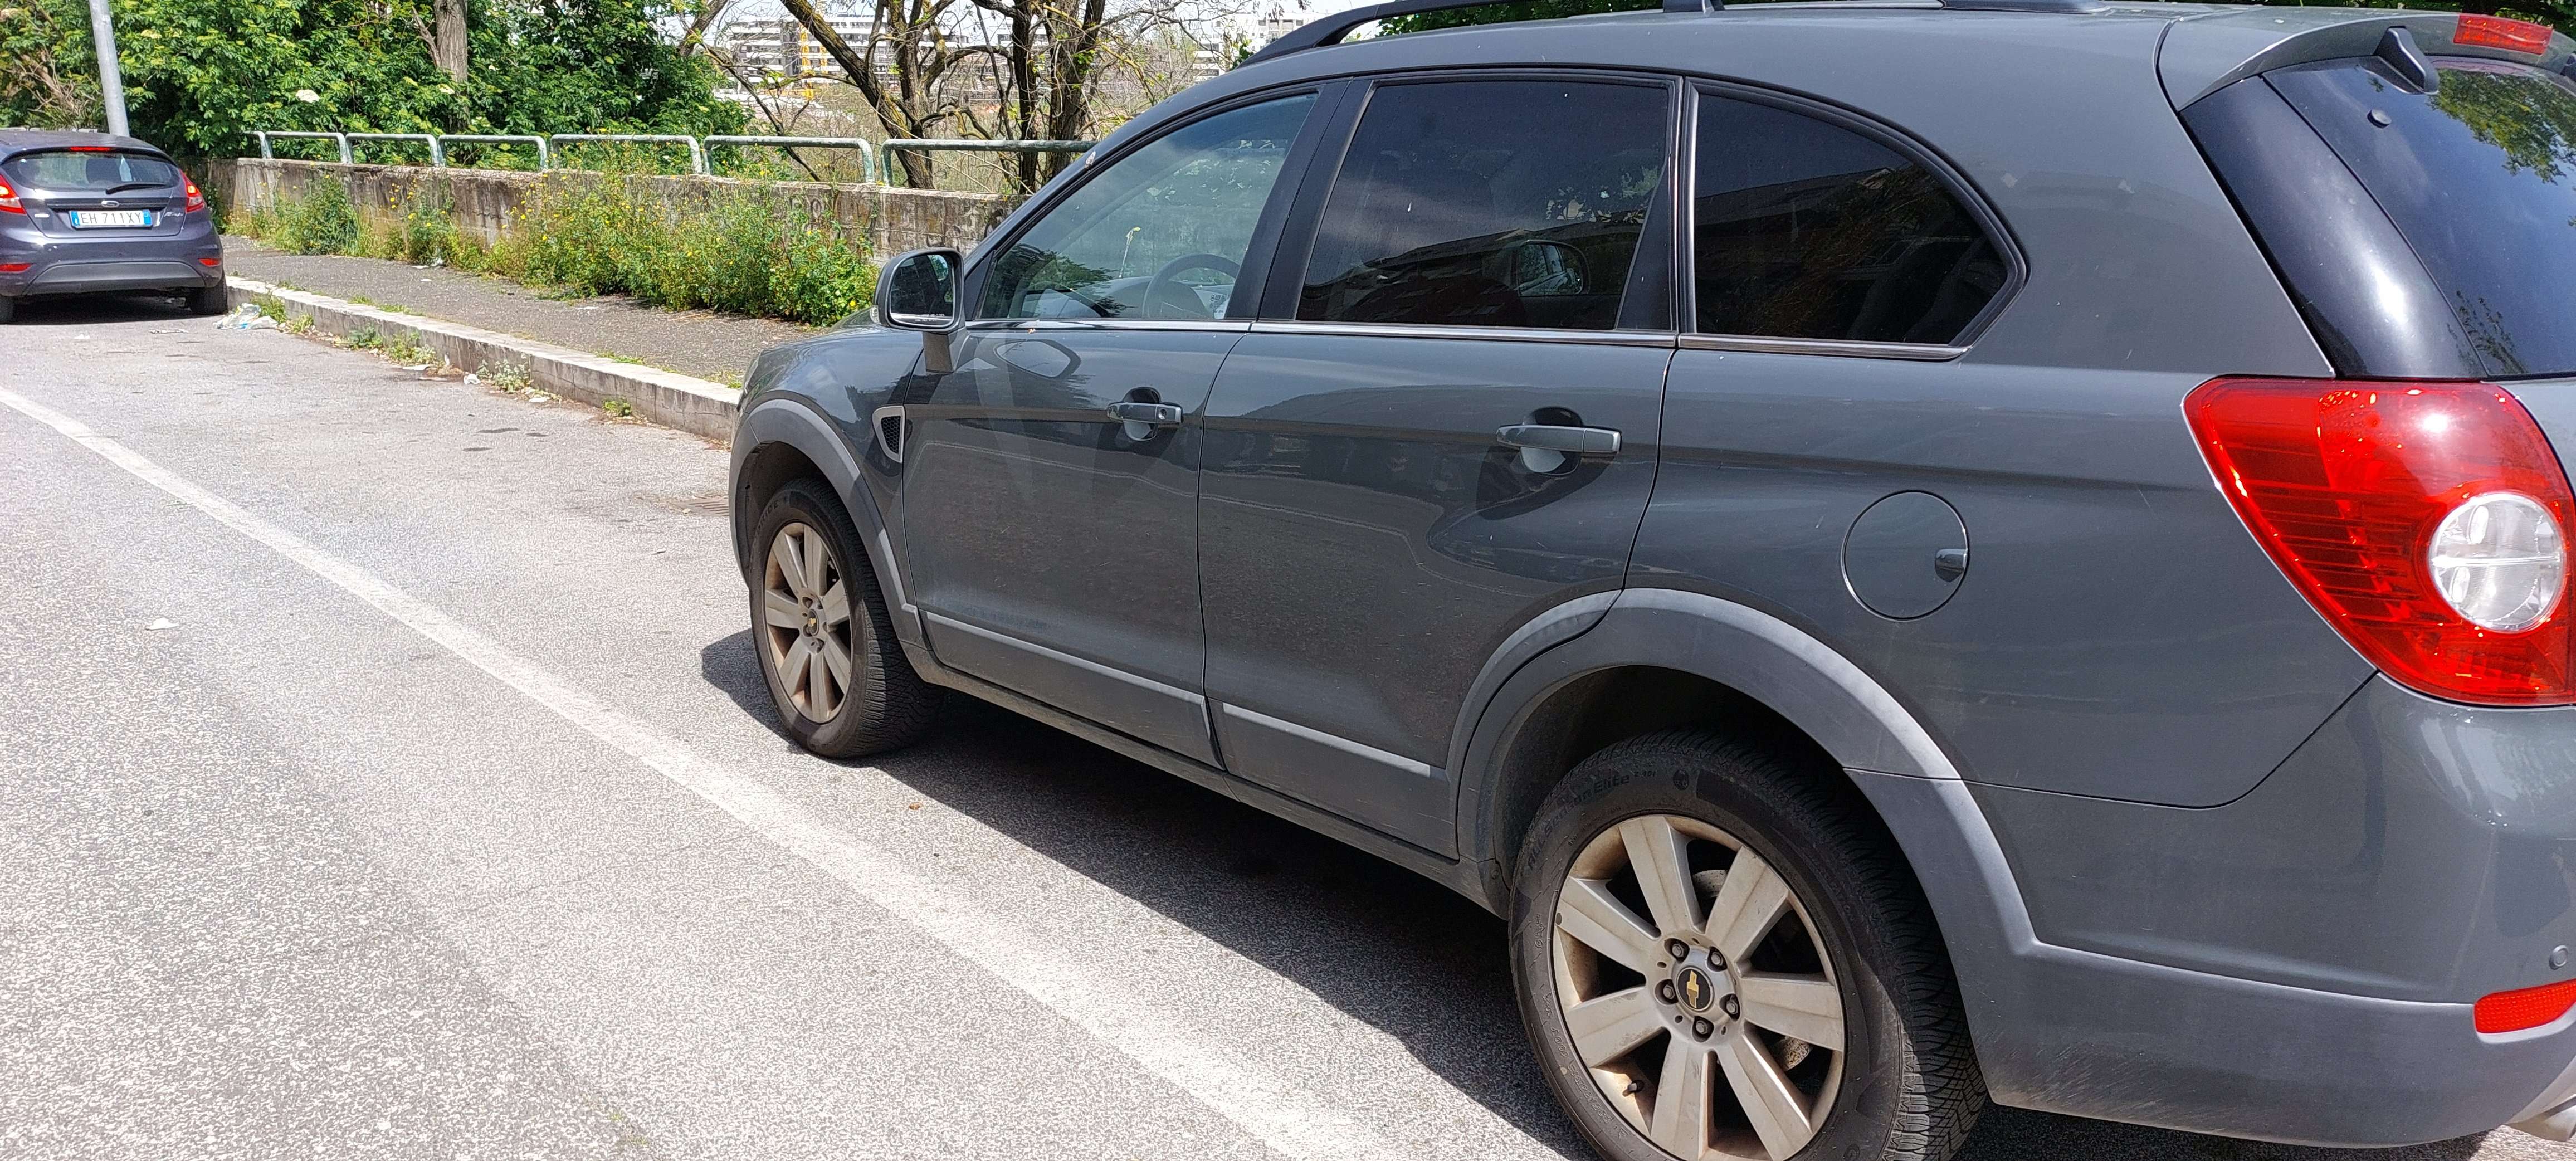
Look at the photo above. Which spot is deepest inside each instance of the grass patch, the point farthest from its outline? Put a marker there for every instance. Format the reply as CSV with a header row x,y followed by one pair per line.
x,y
363,339
617,408
742,251
510,378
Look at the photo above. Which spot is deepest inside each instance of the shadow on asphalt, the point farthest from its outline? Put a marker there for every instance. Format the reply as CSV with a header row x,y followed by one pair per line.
x,y
1379,943
91,309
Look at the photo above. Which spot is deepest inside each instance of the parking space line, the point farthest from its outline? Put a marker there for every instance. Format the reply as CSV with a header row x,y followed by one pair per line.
x,y
1285,1116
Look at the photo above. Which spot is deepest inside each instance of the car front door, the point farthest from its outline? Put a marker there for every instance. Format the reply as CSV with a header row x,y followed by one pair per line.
x,y
1443,427
1050,484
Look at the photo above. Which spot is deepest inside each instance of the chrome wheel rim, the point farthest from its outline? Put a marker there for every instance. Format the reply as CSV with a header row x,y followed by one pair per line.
x,y
1695,989
805,615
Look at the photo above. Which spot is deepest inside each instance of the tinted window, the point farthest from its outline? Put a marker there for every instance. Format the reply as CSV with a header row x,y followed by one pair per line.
x,y
1489,203
1161,233
2480,177
1808,230
87,172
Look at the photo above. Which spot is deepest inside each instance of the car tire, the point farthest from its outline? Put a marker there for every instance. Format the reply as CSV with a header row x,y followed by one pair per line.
x,y
8,308
210,300
1850,932
867,701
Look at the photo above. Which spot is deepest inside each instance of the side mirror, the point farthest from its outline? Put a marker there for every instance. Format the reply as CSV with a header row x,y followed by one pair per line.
x,y
918,291
1543,267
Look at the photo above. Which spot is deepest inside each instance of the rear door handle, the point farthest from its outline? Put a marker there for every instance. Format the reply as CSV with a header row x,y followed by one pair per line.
x,y
1576,441
1156,414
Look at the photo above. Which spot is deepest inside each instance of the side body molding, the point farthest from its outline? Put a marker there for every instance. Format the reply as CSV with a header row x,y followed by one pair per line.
x,y
790,420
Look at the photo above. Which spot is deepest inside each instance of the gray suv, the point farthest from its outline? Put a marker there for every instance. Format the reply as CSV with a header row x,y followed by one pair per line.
x,y
1919,553
91,213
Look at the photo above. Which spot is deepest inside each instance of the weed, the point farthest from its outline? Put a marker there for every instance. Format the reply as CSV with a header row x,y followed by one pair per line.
x,y
270,306
407,351
301,324
363,339
509,377
617,408
319,220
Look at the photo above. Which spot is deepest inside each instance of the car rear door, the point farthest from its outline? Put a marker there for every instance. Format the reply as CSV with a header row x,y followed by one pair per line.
x,y
1443,425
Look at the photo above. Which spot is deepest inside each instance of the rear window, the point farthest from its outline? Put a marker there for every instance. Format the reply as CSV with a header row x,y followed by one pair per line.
x,y
85,171
2480,178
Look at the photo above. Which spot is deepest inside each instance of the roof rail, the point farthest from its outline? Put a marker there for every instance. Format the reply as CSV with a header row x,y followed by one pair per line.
x,y
1331,29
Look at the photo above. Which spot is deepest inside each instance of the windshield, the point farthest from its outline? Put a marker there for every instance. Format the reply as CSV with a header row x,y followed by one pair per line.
x,y
91,171
2480,178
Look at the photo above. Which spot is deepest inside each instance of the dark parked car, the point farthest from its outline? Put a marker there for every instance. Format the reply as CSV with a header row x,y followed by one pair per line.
x,y
87,213
1918,553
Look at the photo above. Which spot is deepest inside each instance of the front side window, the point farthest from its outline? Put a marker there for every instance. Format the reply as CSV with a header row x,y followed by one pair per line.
x,y
1489,204
1161,233
92,171
1807,230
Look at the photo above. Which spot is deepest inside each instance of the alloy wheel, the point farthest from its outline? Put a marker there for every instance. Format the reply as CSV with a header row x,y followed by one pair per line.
x,y
1695,987
806,621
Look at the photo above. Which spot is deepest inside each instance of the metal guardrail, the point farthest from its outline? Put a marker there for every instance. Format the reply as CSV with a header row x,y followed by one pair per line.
x,y
875,158
867,150
886,152
264,134
437,156
697,152
545,157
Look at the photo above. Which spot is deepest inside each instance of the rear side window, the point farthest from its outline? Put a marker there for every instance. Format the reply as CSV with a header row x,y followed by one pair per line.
x,y
1807,230
1490,204
86,171
2480,177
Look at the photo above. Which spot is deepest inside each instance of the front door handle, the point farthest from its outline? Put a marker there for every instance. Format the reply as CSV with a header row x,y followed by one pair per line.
x,y
1150,414
1573,441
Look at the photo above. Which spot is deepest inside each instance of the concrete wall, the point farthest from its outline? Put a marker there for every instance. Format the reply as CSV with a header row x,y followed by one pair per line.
x,y
487,201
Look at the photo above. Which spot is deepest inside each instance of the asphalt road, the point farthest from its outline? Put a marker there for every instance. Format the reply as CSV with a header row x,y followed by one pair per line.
x,y
384,772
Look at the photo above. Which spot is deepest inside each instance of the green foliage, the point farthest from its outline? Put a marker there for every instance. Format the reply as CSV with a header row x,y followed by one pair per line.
x,y
2560,14
200,74
363,339
617,408
742,251
319,220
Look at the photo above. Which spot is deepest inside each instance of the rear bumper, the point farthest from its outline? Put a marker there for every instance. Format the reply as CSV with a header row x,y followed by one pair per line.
x,y
106,262
95,277
2297,965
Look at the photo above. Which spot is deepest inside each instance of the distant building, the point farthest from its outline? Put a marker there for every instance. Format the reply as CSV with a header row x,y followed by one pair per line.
x,y
780,46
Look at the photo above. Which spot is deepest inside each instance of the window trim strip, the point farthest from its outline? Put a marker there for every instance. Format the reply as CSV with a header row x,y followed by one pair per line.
x,y
1281,326
1849,348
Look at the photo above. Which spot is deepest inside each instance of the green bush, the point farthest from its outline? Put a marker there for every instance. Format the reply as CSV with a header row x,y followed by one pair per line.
x,y
319,220
740,251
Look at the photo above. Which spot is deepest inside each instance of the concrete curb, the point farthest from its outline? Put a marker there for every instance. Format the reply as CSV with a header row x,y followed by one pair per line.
x,y
668,398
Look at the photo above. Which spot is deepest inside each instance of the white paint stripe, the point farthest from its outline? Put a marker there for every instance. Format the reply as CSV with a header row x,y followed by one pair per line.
x,y
1284,1116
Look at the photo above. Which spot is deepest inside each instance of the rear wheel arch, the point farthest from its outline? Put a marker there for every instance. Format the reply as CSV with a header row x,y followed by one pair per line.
x,y
1663,659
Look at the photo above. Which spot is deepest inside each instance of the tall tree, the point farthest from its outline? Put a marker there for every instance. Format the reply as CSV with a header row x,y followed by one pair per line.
x,y
919,55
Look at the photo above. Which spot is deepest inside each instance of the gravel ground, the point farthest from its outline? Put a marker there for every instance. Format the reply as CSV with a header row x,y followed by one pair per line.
x,y
287,876
709,346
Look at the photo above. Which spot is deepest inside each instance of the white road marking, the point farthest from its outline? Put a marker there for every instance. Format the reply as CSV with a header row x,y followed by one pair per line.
x,y
1285,1116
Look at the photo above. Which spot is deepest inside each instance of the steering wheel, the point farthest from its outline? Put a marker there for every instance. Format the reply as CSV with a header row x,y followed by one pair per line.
x,y
1167,297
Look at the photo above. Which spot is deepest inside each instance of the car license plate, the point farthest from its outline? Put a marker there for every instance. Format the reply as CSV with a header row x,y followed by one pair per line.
x,y
94,219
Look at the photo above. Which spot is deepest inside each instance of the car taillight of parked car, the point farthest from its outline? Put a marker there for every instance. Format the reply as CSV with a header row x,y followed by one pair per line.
x,y
196,200
9,201
2425,521
2501,32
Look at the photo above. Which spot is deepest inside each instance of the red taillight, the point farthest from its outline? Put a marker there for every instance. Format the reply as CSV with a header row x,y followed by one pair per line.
x,y
9,203
210,261
196,200
2525,1007
2498,32
2423,520
14,267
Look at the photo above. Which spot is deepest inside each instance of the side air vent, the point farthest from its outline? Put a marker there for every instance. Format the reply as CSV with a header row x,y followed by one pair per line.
x,y
889,424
